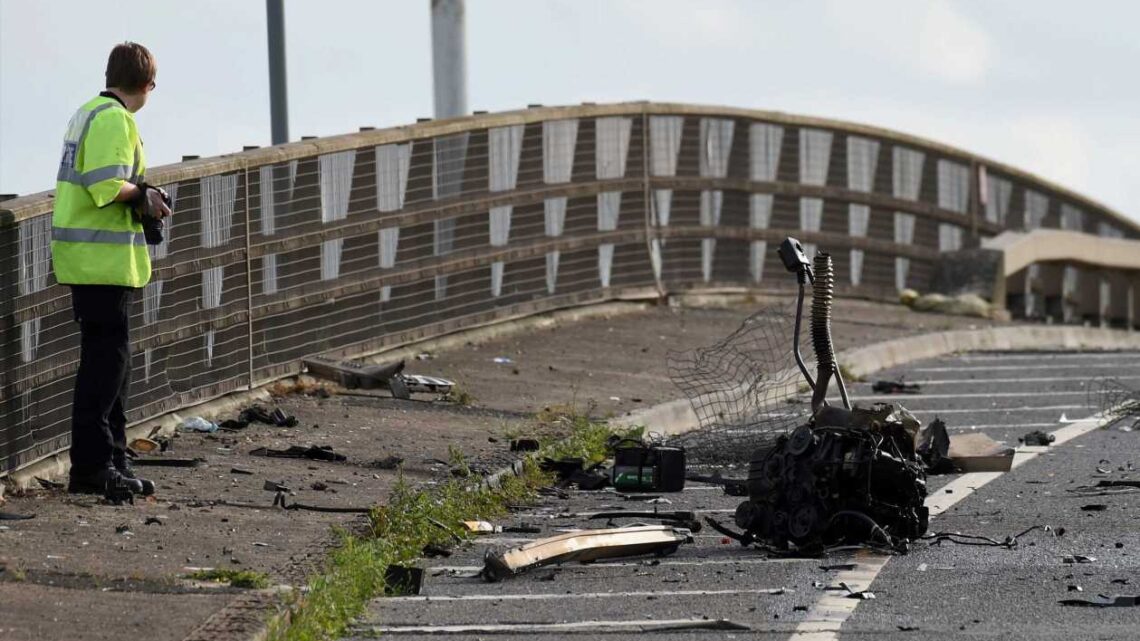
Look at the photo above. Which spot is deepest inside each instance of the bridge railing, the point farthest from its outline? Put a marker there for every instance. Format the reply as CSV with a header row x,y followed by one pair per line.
x,y
352,243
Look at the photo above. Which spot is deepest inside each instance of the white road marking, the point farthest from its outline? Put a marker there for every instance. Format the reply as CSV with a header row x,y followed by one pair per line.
x,y
923,397
512,540
636,625
826,617
987,410
987,381
1021,368
1045,356
599,565
559,596
1016,426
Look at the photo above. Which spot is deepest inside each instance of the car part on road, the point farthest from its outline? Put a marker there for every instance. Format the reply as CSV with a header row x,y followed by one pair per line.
x,y
639,467
934,448
197,424
895,387
1037,437
585,546
977,452
315,453
162,461
1009,542
391,376
1102,601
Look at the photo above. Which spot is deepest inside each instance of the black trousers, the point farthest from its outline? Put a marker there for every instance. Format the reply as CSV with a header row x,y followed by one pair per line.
x,y
102,385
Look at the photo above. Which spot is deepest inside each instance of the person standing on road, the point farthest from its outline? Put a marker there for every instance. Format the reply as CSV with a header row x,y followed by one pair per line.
x,y
104,216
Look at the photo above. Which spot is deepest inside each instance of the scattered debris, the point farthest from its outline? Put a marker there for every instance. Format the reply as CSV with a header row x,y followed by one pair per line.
x,y
1078,558
387,463
162,461
485,527
895,387
401,580
12,516
1037,437
732,487
315,452
1094,507
49,484
1009,542
585,547
525,445
319,486
639,467
502,360
197,424
435,550
837,567
934,447
681,518
273,486
153,520
977,452
1102,601
240,470
390,376
144,445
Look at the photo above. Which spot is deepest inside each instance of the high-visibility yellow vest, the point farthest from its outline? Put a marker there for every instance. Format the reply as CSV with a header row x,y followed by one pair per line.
x,y
95,241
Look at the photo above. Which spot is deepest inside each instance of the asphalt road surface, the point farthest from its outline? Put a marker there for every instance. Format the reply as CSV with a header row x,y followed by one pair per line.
x,y
935,591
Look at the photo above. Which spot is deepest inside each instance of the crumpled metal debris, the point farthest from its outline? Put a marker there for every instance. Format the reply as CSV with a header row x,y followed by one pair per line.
x,y
1037,437
895,387
315,452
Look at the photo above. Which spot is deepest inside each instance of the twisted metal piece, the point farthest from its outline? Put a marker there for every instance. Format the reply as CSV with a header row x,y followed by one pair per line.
x,y
822,293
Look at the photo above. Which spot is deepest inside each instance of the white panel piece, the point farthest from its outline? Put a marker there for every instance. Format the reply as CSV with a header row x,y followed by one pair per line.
x,y
862,160
554,215
331,251
953,186
212,281
760,210
756,259
551,271
764,147
269,274
449,158
496,278
998,194
811,214
389,243
904,235
1072,219
392,163
609,206
1104,300
662,205
949,237
655,257
716,144
611,147
856,267
559,137
500,223
906,172
147,357
664,144
605,263
265,188
1036,207
708,253
858,220
1108,230
815,156
218,194
336,183
152,301
712,201
30,339
1069,282
503,160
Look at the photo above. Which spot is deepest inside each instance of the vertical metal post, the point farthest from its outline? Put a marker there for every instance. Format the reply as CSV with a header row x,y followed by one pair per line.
x,y
449,57
249,279
278,91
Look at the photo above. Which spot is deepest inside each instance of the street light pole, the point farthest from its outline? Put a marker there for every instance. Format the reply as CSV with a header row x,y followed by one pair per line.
x,y
449,57
278,91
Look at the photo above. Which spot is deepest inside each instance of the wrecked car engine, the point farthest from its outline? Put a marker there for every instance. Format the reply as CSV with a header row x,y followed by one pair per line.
x,y
841,474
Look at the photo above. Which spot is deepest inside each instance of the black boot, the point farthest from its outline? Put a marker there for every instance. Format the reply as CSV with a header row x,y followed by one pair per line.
x,y
108,482
127,470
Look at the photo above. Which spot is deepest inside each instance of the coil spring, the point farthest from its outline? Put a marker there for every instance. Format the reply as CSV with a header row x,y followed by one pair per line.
x,y
823,290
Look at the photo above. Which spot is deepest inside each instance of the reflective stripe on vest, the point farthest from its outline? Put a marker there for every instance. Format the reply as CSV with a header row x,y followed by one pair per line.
x,y
68,174
79,235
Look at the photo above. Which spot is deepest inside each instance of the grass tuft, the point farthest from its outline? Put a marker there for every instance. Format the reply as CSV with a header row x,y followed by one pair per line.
x,y
236,578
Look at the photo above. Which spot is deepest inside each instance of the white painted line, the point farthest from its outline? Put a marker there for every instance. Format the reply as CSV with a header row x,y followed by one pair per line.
x,y
600,565
996,426
559,596
637,625
1021,368
1045,356
827,615
989,410
586,515
923,397
1040,379
512,540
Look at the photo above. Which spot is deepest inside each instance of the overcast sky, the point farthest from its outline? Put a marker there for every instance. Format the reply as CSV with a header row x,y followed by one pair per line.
x,y
1046,85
